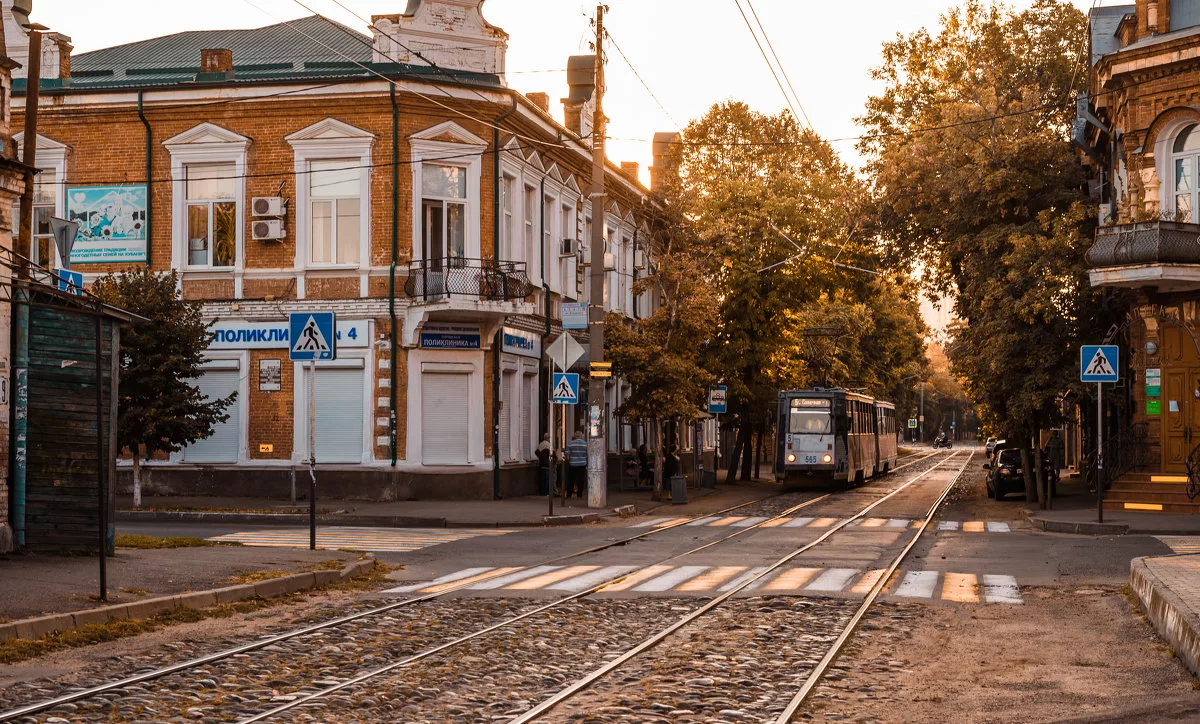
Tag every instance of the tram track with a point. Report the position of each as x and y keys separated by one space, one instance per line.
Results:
x=310 y=698
x=246 y=650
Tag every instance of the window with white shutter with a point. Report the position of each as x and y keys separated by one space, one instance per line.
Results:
x=445 y=408
x=221 y=379
x=339 y=410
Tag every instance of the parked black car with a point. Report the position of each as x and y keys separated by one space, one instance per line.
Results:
x=1005 y=474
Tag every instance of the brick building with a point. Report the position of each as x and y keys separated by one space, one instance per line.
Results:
x=1140 y=129
x=392 y=178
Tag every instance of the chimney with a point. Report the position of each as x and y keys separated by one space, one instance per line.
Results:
x=630 y=169
x=579 y=106
x=541 y=100
x=663 y=163
x=216 y=61
x=62 y=45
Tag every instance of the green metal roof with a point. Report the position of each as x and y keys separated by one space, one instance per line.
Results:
x=307 y=49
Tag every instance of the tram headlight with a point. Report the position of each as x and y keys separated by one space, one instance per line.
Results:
x=827 y=458
x=791 y=457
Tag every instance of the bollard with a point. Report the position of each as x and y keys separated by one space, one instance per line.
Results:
x=678 y=490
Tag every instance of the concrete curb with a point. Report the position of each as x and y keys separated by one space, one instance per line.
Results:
x=1168 y=614
x=1062 y=526
x=360 y=521
x=32 y=628
x=576 y=519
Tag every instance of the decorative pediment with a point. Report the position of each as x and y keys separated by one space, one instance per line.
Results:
x=206 y=133
x=571 y=184
x=628 y=218
x=330 y=129
x=43 y=143
x=554 y=173
x=535 y=161
x=448 y=132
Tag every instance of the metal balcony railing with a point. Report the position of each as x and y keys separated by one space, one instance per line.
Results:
x=1154 y=242
x=482 y=279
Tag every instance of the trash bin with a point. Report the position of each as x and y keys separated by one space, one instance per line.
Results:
x=709 y=479
x=678 y=490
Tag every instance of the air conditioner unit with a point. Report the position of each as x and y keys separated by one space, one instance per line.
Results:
x=267 y=206
x=570 y=247
x=639 y=259
x=267 y=230
x=610 y=262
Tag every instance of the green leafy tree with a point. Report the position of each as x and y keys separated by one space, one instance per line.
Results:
x=159 y=408
x=978 y=188
x=771 y=206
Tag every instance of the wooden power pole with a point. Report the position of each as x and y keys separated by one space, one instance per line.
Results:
x=597 y=422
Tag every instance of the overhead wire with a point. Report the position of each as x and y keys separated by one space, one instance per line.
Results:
x=778 y=62
x=641 y=80
x=770 y=66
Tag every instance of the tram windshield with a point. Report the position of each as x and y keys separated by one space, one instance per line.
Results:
x=809 y=421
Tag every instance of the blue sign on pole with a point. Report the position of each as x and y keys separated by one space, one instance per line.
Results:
x=311 y=336
x=69 y=281
x=1099 y=362
x=566 y=388
x=718 y=399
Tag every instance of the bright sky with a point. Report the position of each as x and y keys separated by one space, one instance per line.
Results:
x=691 y=53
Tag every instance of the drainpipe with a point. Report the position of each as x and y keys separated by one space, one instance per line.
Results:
x=496 y=343
x=149 y=185
x=544 y=404
x=392 y=275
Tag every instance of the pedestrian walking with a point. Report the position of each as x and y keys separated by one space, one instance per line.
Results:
x=577 y=459
x=545 y=456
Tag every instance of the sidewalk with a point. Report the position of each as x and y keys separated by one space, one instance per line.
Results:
x=1168 y=588
x=508 y=513
x=42 y=584
x=1075 y=512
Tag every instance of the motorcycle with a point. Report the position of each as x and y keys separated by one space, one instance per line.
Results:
x=942 y=443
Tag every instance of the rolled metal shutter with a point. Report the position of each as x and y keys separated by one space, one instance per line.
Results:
x=224 y=443
x=339 y=430
x=445 y=411
x=527 y=397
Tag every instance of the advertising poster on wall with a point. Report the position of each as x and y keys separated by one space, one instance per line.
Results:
x=112 y=223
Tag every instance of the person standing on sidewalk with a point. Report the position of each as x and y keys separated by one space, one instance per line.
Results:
x=577 y=458
x=545 y=456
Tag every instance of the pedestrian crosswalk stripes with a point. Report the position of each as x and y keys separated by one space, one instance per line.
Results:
x=697 y=579
x=1182 y=543
x=735 y=521
x=386 y=540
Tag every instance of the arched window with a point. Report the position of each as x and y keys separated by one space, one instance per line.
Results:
x=1184 y=154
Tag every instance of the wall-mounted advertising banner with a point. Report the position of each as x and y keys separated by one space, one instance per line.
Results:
x=112 y=223
x=520 y=342
x=450 y=336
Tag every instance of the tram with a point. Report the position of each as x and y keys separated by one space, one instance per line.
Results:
x=831 y=436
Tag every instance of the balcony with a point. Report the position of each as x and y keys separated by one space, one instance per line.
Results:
x=480 y=292
x=477 y=279
x=1164 y=255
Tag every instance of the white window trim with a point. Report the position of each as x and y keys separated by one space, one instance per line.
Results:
x=469 y=363
x=552 y=223
x=347 y=359
x=204 y=144
x=331 y=139
x=509 y=175
x=465 y=151
x=51 y=156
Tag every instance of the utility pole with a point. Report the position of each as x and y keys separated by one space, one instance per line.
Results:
x=921 y=415
x=597 y=425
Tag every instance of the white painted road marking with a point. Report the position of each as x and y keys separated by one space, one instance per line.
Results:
x=391 y=540
x=672 y=578
x=918 y=584
x=448 y=578
x=587 y=580
x=750 y=521
x=948 y=525
x=521 y=575
x=650 y=523
x=834 y=579
x=993 y=527
x=1001 y=589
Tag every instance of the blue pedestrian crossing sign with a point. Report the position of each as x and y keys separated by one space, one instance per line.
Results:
x=311 y=336
x=69 y=281
x=1099 y=362
x=566 y=388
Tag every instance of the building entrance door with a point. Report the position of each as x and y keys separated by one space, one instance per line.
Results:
x=1180 y=402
